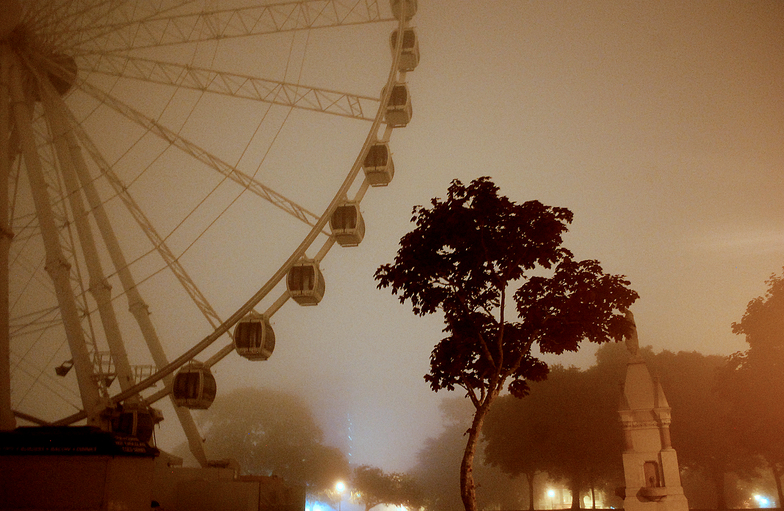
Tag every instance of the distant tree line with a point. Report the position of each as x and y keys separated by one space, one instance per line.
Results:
x=371 y=487
x=270 y=432
x=274 y=433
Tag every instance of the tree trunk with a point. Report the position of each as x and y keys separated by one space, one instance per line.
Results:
x=575 y=487
x=467 y=486
x=721 y=498
x=530 y=477
x=777 y=473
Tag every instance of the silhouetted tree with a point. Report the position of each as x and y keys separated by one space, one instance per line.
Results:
x=568 y=427
x=373 y=486
x=438 y=461
x=755 y=379
x=272 y=433
x=510 y=444
x=602 y=447
x=701 y=429
x=463 y=258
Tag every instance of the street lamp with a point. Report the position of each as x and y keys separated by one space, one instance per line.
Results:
x=551 y=494
x=340 y=487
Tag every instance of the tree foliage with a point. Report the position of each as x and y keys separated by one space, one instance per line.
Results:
x=272 y=433
x=701 y=428
x=465 y=257
x=755 y=382
x=373 y=487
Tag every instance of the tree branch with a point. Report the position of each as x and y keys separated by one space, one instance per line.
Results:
x=471 y=392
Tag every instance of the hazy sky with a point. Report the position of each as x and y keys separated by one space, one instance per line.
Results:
x=659 y=124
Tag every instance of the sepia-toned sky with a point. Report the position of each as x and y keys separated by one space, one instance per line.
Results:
x=659 y=124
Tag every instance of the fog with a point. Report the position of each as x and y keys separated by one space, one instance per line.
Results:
x=659 y=124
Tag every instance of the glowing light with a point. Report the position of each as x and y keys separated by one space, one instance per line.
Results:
x=762 y=500
x=317 y=506
x=340 y=487
x=551 y=493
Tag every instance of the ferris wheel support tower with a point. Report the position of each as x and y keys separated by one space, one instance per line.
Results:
x=56 y=264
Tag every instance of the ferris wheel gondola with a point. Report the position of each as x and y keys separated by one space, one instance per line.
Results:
x=194 y=386
x=378 y=164
x=409 y=53
x=347 y=224
x=254 y=338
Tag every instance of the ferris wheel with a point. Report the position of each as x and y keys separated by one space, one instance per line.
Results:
x=148 y=145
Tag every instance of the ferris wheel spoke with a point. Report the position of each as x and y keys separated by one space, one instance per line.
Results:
x=62 y=392
x=37 y=325
x=157 y=241
x=235 y=85
x=218 y=24
x=64 y=12
x=126 y=11
x=204 y=156
x=31 y=418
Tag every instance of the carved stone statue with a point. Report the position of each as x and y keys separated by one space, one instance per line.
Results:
x=632 y=342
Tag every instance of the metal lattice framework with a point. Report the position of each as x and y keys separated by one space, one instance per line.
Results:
x=165 y=26
x=235 y=85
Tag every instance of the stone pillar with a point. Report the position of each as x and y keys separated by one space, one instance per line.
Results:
x=650 y=463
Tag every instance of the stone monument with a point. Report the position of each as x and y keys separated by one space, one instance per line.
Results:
x=650 y=464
